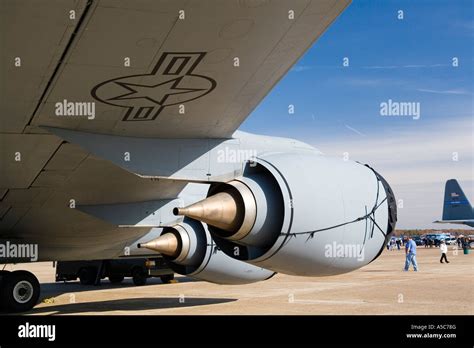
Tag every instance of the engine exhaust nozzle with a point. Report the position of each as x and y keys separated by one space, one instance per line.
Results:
x=232 y=210
x=166 y=244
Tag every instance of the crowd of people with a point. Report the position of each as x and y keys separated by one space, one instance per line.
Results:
x=411 y=246
x=410 y=252
x=398 y=242
x=395 y=243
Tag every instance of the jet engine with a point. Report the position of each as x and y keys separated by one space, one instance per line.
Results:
x=300 y=214
x=190 y=250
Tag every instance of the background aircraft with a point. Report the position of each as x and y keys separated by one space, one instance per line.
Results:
x=456 y=206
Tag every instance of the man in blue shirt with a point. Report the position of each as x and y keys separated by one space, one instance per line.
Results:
x=410 y=251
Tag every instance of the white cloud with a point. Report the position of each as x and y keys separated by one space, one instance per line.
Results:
x=448 y=91
x=406 y=66
x=355 y=130
x=365 y=82
x=416 y=162
x=300 y=68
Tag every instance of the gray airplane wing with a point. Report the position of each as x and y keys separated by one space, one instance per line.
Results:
x=161 y=69
x=139 y=61
x=459 y=222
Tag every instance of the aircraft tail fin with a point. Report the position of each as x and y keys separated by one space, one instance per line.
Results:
x=456 y=205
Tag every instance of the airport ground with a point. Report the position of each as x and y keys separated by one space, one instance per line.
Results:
x=379 y=288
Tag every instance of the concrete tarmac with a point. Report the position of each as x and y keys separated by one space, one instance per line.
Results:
x=379 y=288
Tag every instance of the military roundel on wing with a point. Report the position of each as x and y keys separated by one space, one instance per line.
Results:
x=171 y=82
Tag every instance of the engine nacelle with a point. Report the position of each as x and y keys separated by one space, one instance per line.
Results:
x=300 y=214
x=190 y=250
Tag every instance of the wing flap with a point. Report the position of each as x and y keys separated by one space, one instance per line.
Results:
x=33 y=37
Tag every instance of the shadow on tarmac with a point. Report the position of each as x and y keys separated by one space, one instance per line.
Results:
x=129 y=304
x=59 y=288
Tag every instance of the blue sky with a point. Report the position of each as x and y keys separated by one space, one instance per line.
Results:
x=337 y=108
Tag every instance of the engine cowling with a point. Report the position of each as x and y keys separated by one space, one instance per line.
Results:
x=190 y=250
x=300 y=214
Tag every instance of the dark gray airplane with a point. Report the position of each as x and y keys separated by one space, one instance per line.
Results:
x=118 y=138
x=456 y=206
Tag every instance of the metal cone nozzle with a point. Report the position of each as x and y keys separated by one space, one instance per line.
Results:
x=166 y=244
x=222 y=210
x=232 y=210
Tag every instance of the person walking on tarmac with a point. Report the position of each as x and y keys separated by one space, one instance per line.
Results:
x=444 y=250
x=410 y=251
